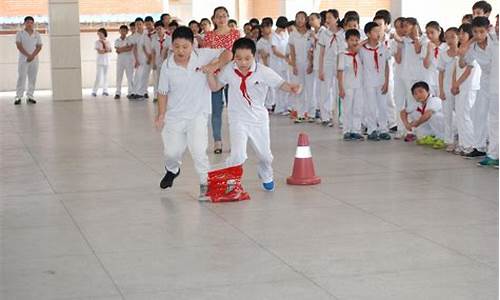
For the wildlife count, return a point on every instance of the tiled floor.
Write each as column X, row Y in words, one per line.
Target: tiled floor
column 82, row 216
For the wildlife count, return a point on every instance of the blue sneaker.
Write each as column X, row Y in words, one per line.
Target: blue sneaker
column 347, row 136
column 357, row 137
column 385, row 136
column 488, row 162
column 374, row 136
column 268, row 186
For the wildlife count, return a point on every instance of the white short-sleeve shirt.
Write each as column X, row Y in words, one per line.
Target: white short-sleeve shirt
column 411, row 62
column 483, row 58
column 102, row 58
column 352, row 78
column 29, row 42
column 431, row 74
column 264, row 45
column 494, row 67
column 158, row 44
column 373, row 75
column 119, row 43
column 187, row 88
column 446, row 63
column 280, row 42
column 251, row 109
column 434, row 104
column 302, row 44
column 333, row 43
column 317, row 48
column 142, row 41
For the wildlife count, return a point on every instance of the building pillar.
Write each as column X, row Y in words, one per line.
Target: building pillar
column 64, row 34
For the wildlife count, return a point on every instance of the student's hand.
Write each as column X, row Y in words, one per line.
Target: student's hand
column 342, row 93
column 385, row 88
column 154, row 66
column 295, row 88
column 455, row 90
column 442, row 95
column 295, row 70
column 309, row 69
column 210, row 68
column 136, row 65
column 321, row 75
column 408, row 127
column 159, row 121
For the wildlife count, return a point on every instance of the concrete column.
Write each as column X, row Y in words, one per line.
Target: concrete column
column 396, row 8
column 64, row 34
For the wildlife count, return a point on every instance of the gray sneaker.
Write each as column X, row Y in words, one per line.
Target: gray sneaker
column 203, row 193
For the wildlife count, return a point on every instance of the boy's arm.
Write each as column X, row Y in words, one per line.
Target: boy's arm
column 278, row 53
column 322, row 63
column 398, row 54
column 136, row 55
column 424, row 118
column 224, row 58
column 464, row 76
column 213, row 83
column 293, row 59
column 385, row 88
column 442, row 94
column 404, row 118
column 162, row 108
column 340, row 79
column 37, row 50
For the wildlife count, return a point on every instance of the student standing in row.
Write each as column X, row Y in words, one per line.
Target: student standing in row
column 160, row 45
column 103, row 48
column 279, row 63
column 124, row 61
column 29, row 44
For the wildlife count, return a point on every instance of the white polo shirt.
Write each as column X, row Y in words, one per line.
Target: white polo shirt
column 29, row 42
column 431, row 74
column 158, row 45
column 334, row 43
column 141, row 41
column 352, row 79
column 483, row 58
column 446, row 63
column 102, row 58
column 250, row 110
column 302, row 44
column 434, row 104
column 187, row 88
column 494, row 67
column 317, row 48
column 411, row 62
column 119, row 43
column 372, row 75
column 264, row 45
column 280, row 41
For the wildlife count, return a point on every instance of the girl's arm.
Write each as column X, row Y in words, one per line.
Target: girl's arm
column 442, row 94
column 340, row 79
column 427, row 58
column 385, row 88
column 213, row 83
column 399, row 52
column 293, row 60
column 136, row 56
column 464, row 76
column 321, row 63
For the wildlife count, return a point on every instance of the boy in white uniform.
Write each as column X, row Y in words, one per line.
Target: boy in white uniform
column 29, row 44
column 249, row 83
column 151, row 35
column 124, row 61
column 375, row 60
column 184, row 105
column 279, row 62
column 426, row 119
column 349, row 77
column 160, row 45
column 264, row 52
column 141, row 41
column 330, row 43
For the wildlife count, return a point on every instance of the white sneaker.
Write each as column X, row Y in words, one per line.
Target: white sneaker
column 203, row 193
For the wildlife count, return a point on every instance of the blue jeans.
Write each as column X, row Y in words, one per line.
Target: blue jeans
column 217, row 107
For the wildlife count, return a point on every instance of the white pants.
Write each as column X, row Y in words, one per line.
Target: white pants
column 124, row 66
column 328, row 95
column 399, row 95
column 26, row 70
column 450, row 128
column 493, row 126
column 479, row 113
column 352, row 110
column 259, row 137
column 281, row 97
column 434, row 126
column 146, row 77
column 157, row 73
column 101, row 79
column 392, row 112
column 177, row 134
column 316, row 90
column 376, row 109
column 465, row 127
column 141, row 78
column 303, row 101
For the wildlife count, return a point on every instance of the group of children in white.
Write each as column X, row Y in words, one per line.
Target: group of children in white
column 440, row 89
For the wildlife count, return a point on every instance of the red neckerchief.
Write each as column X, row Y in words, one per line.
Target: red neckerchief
column 421, row 110
column 354, row 62
column 436, row 52
column 334, row 38
column 243, row 85
column 161, row 40
column 375, row 55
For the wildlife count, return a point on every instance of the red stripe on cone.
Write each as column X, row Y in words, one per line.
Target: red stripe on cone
column 303, row 167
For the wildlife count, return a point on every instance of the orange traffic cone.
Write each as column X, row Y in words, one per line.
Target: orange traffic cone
column 303, row 166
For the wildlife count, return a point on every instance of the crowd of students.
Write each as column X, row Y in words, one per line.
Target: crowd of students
column 388, row 79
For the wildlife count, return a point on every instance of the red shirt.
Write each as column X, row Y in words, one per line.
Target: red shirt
column 215, row 40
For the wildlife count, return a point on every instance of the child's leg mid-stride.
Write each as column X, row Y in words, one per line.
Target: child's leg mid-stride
column 259, row 137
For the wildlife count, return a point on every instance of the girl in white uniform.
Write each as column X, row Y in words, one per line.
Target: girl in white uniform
column 446, row 65
column 465, row 86
column 249, row 83
column 279, row 62
column 103, row 48
column 300, row 42
column 317, row 29
column 331, row 43
column 399, row 92
column 264, row 52
column 124, row 61
column 184, row 105
column 160, row 45
column 430, row 53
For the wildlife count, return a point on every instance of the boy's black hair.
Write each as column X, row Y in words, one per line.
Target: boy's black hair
column 139, row 19
column 384, row 14
column 317, row 15
column 244, row 43
column 183, row 32
column 205, row 19
column 467, row 17
column 124, row 27
column 28, row 18
column 232, row 21
column 369, row 26
column 158, row 24
column 352, row 13
column 352, row 32
column 349, row 19
column 254, row 21
column 131, row 24
column 149, row 19
column 193, row 22
column 103, row 31
column 480, row 22
column 467, row 27
column 282, row 22
column 435, row 25
column 268, row 20
column 163, row 16
column 173, row 23
column 266, row 23
column 454, row 29
column 334, row 12
column 420, row 84
column 414, row 22
column 483, row 5
column 290, row 23
column 399, row 19
column 248, row 24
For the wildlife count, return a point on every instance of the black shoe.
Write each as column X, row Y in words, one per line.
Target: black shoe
column 168, row 179
column 31, row 101
column 393, row 129
column 105, row 94
column 17, row 101
column 146, row 96
column 117, row 97
column 131, row 96
column 475, row 154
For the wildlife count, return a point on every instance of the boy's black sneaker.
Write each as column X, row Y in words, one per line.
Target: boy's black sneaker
column 117, row 97
column 31, row 101
column 475, row 154
column 168, row 179
column 17, row 101
column 393, row 129
column 146, row 96
column 131, row 96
